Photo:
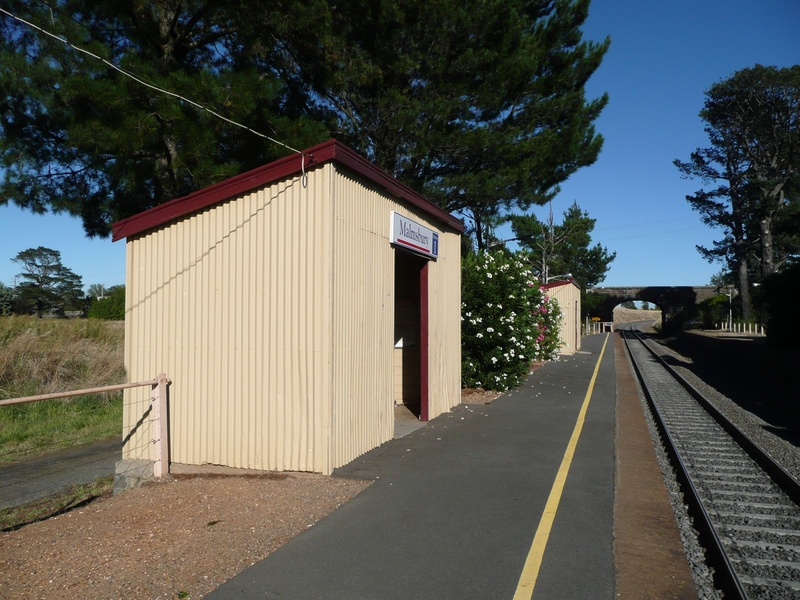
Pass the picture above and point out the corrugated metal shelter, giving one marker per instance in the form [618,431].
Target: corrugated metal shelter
[568,295]
[290,306]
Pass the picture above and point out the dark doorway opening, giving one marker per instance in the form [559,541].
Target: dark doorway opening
[411,333]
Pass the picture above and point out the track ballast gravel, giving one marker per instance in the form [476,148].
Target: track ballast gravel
[756,521]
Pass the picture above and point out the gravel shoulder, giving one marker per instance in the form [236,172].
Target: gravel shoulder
[180,537]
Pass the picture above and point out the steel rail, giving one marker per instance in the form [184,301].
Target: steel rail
[785,480]
[724,574]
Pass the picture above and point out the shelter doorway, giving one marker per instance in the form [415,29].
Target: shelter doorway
[411,333]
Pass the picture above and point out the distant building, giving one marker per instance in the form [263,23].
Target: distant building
[291,306]
[568,295]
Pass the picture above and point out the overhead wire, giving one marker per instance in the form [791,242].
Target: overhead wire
[162,90]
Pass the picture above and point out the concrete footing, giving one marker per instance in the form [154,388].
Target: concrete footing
[131,473]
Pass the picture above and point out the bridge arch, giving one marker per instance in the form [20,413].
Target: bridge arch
[678,303]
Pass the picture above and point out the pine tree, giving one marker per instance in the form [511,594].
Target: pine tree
[77,136]
[46,284]
[753,124]
[558,249]
[479,105]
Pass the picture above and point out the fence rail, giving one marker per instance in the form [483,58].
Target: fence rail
[158,404]
[97,390]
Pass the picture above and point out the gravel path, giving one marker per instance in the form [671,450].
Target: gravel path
[54,472]
[177,538]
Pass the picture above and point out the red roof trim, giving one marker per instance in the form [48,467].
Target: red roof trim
[275,171]
[548,286]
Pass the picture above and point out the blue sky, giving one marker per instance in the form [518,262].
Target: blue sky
[663,56]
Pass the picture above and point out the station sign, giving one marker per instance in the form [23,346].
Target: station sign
[413,236]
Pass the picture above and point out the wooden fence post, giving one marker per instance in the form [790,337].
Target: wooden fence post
[159,430]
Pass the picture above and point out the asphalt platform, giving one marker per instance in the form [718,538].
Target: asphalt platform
[455,505]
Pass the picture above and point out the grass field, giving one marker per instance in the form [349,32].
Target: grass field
[43,356]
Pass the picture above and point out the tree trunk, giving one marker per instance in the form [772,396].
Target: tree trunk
[767,263]
[479,241]
[742,278]
[744,289]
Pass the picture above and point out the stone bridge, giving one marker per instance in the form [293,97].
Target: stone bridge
[677,303]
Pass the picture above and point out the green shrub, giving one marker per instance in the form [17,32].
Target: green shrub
[506,322]
[111,308]
[714,310]
[548,321]
[6,299]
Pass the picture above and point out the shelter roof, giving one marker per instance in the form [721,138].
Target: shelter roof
[559,283]
[330,151]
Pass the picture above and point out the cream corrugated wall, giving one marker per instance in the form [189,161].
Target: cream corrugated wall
[569,335]
[233,304]
[273,315]
[363,319]
[444,327]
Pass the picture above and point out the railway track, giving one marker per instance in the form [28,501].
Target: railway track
[745,506]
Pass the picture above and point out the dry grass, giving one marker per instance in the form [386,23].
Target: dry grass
[43,356]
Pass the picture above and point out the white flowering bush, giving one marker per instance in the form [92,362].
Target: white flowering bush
[506,321]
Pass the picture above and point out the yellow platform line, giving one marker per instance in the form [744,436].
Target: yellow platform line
[530,572]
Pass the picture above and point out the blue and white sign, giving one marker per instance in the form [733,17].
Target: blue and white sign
[410,234]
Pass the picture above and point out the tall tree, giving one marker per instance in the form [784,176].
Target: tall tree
[480,105]
[46,284]
[544,240]
[565,248]
[724,206]
[753,123]
[78,136]
[760,111]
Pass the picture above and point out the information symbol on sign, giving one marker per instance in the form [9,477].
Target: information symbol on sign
[435,245]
